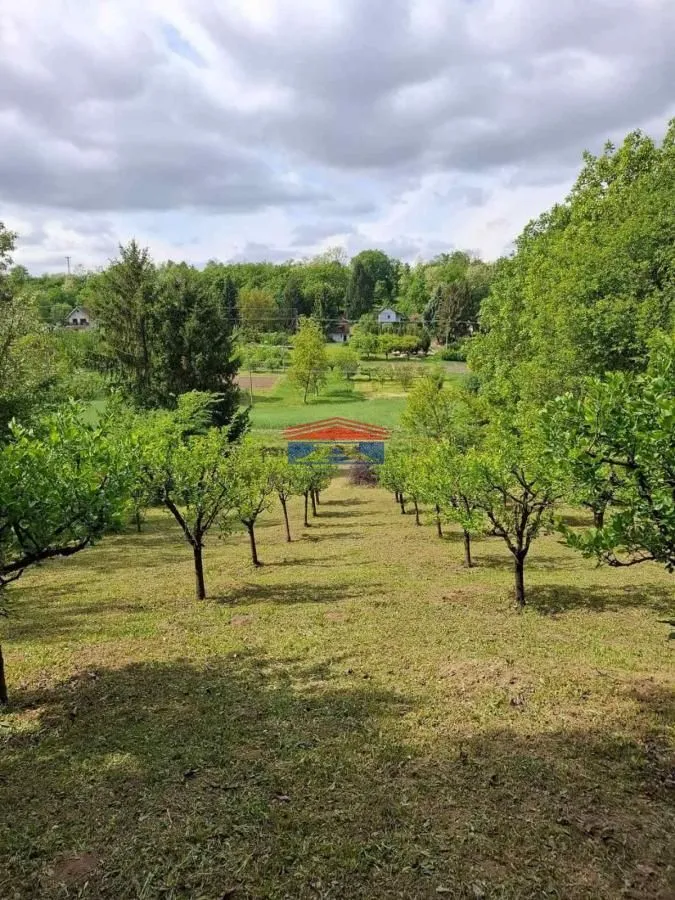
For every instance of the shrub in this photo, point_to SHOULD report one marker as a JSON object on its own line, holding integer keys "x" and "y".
{"x": 275, "y": 338}
{"x": 454, "y": 353}
{"x": 405, "y": 375}
{"x": 362, "y": 474}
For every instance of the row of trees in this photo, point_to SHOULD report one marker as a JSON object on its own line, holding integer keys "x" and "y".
{"x": 610, "y": 447}
{"x": 64, "y": 483}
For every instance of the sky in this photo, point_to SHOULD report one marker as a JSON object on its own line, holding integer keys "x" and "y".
{"x": 275, "y": 129}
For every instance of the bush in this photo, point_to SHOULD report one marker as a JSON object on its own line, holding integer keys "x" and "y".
{"x": 454, "y": 353}
{"x": 85, "y": 385}
{"x": 406, "y": 376}
{"x": 346, "y": 362}
{"x": 275, "y": 338}
{"x": 362, "y": 474}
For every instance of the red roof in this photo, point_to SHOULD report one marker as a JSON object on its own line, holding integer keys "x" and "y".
{"x": 336, "y": 429}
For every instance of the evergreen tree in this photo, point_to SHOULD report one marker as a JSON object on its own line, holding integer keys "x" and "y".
{"x": 230, "y": 298}
{"x": 123, "y": 304}
{"x": 360, "y": 291}
{"x": 192, "y": 333}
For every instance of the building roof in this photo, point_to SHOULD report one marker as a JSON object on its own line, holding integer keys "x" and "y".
{"x": 336, "y": 429}
{"x": 80, "y": 309}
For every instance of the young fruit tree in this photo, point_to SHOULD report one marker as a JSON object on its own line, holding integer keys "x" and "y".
{"x": 509, "y": 481}
{"x": 321, "y": 473}
{"x": 309, "y": 360}
{"x": 445, "y": 482}
{"x": 286, "y": 482}
{"x": 413, "y": 480}
{"x": 618, "y": 438}
{"x": 392, "y": 473}
{"x": 63, "y": 483}
{"x": 253, "y": 486}
{"x": 191, "y": 471}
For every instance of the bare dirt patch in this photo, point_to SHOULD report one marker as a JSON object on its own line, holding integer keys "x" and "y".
{"x": 260, "y": 382}
{"x": 74, "y": 869}
{"x": 239, "y": 621}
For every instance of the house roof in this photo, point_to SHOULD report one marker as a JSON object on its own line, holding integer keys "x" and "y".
{"x": 79, "y": 309}
{"x": 336, "y": 429}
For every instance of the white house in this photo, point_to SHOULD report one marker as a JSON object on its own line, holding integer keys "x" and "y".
{"x": 339, "y": 331}
{"x": 388, "y": 316}
{"x": 80, "y": 317}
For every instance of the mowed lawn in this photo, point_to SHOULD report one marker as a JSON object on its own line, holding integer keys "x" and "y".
{"x": 360, "y": 718}
{"x": 283, "y": 405}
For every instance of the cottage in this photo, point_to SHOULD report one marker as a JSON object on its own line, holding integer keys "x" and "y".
{"x": 80, "y": 317}
{"x": 339, "y": 331}
{"x": 388, "y": 316}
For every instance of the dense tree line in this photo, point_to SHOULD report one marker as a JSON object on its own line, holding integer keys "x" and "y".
{"x": 444, "y": 293}
{"x": 592, "y": 279}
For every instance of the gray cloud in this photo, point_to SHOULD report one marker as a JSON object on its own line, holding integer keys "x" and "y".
{"x": 459, "y": 97}
{"x": 331, "y": 122}
{"x": 311, "y": 233}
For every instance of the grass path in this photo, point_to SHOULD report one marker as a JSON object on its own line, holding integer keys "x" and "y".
{"x": 361, "y": 718}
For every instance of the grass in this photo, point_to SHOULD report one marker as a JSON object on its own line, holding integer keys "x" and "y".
{"x": 363, "y": 401}
{"x": 361, "y": 718}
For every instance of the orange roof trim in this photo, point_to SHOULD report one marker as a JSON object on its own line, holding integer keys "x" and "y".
{"x": 336, "y": 429}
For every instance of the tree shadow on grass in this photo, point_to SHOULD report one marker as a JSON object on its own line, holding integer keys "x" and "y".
{"x": 323, "y": 562}
{"x": 337, "y": 514}
{"x": 291, "y": 594}
{"x": 533, "y": 563}
{"x": 47, "y": 617}
{"x": 260, "y": 778}
{"x": 332, "y": 536}
{"x": 551, "y": 599}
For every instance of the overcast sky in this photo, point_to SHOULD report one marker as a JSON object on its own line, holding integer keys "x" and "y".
{"x": 269, "y": 129}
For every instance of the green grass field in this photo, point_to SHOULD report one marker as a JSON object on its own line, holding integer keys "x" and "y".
{"x": 361, "y": 718}
{"x": 363, "y": 400}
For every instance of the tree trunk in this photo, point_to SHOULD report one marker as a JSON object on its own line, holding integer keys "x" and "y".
{"x": 417, "y": 512}
{"x": 401, "y": 500}
{"x": 318, "y": 498}
{"x": 520, "y": 580}
{"x": 439, "y": 527}
{"x": 397, "y": 497}
{"x": 4, "y": 699}
{"x": 288, "y": 527}
{"x": 199, "y": 572}
{"x": 306, "y": 509}
{"x": 138, "y": 521}
{"x": 314, "y": 512}
{"x": 254, "y": 550}
{"x": 468, "y": 562}
{"x": 304, "y": 399}
{"x": 599, "y": 517}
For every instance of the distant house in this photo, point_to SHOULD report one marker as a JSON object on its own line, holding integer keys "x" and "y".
{"x": 388, "y": 316}
{"x": 339, "y": 331}
{"x": 80, "y": 317}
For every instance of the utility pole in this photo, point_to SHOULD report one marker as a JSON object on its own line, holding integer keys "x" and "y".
{"x": 68, "y": 264}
